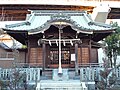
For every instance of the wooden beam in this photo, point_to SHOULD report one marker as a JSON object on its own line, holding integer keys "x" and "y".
{"x": 37, "y": 7}
{"x": 18, "y": 10}
{"x": 12, "y": 18}
{"x": 15, "y": 15}
{"x": 61, "y": 40}
{"x": 14, "y": 12}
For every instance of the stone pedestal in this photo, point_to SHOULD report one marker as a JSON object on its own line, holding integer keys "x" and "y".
{"x": 60, "y": 77}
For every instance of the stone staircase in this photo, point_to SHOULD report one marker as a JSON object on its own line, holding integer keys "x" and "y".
{"x": 61, "y": 85}
{"x": 61, "y": 82}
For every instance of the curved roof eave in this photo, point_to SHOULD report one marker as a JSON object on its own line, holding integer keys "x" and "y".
{"x": 59, "y": 22}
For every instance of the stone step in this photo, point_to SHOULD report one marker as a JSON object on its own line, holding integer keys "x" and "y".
{"x": 61, "y": 85}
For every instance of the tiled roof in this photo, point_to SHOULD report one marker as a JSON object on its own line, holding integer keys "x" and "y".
{"x": 39, "y": 20}
{"x": 4, "y": 46}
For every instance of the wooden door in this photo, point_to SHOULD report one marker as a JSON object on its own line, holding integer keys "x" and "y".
{"x": 83, "y": 56}
{"x": 36, "y": 56}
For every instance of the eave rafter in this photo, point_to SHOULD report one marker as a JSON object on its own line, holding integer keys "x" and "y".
{"x": 100, "y": 34}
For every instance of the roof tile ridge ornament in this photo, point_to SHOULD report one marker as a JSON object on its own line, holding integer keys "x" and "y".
{"x": 60, "y": 15}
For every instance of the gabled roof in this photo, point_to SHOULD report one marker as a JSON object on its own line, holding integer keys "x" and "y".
{"x": 39, "y": 21}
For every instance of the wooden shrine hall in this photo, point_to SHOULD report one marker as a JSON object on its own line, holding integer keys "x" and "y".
{"x": 59, "y": 39}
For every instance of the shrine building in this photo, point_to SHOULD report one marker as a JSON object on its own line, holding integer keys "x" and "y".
{"x": 59, "y": 39}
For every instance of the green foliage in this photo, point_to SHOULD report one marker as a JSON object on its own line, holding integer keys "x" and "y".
{"x": 16, "y": 81}
{"x": 2, "y": 84}
{"x": 101, "y": 85}
{"x": 108, "y": 78}
{"x": 112, "y": 42}
{"x": 116, "y": 87}
{"x": 112, "y": 79}
{"x": 24, "y": 46}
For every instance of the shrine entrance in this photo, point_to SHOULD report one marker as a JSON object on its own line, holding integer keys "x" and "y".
{"x": 60, "y": 47}
{"x": 54, "y": 57}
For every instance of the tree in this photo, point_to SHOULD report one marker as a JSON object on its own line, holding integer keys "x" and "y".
{"x": 108, "y": 77}
{"x": 112, "y": 47}
{"x": 17, "y": 80}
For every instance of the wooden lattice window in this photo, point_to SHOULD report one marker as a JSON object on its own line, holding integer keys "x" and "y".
{"x": 65, "y": 56}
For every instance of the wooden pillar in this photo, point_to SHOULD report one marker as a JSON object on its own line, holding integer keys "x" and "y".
{"x": 44, "y": 54}
{"x": 76, "y": 58}
{"x": 25, "y": 57}
{"x": 90, "y": 50}
{"x": 28, "y": 55}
